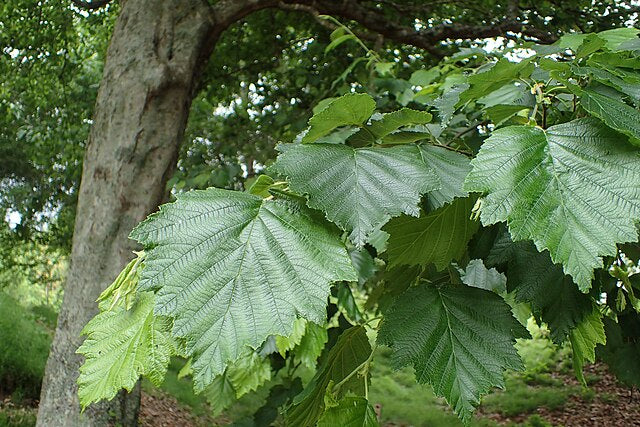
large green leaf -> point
(572, 189)
(122, 345)
(249, 372)
(614, 113)
(584, 338)
(535, 279)
(350, 412)
(350, 351)
(358, 189)
(459, 339)
(232, 269)
(351, 109)
(437, 237)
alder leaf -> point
(614, 113)
(350, 351)
(452, 168)
(500, 73)
(459, 339)
(584, 338)
(311, 345)
(479, 276)
(573, 189)
(122, 345)
(437, 237)
(359, 189)
(622, 348)
(350, 109)
(351, 411)
(535, 279)
(220, 394)
(378, 130)
(232, 268)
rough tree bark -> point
(148, 83)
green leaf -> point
(232, 268)
(261, 186)
(608, 78)
(447, 102)
(338, 41)
(616, 37)
(510, 94)
(311, 345)
(535, 279)
(123, 289)
(286, 343)
(614, 113)
(358, 189)
(584, 338)
(622, 349)
(591, 44)
(459, 339)
(499, 114)
(364, 264)
(351, 351)
(437, 237)
(391, 122)
(424, 77)
(572, 189)
(122, 345)
(380, 130)
(451, 168)
(615, 59)
(479, 276)
(501, 73)
(220, 393)
(347, 302)
(350, 412)
(350, 109)
(249, 372)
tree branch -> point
(225, 12)
(427, 39)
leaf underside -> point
(122, 345)
(231, 269)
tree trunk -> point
(155, 54)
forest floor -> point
(556, 399)
(545, 394)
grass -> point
(24, 348)
(17, 417)
(521, 398)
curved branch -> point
(226, 12)
(90, 5)
(427, 39)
